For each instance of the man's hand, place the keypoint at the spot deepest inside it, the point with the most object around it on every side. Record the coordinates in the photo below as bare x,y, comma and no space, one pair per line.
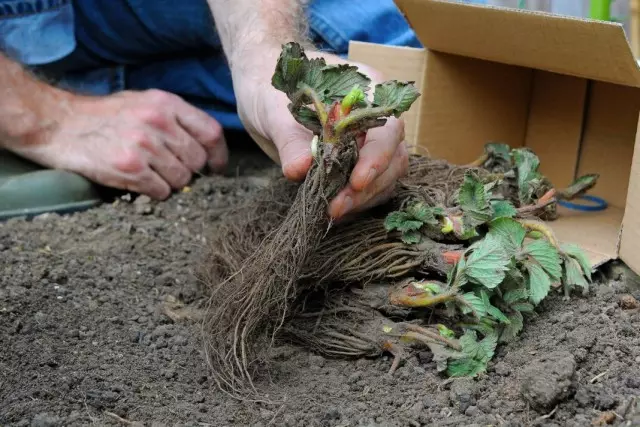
383,157
147,142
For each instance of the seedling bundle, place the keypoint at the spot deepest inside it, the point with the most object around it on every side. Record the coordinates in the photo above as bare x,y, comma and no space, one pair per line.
454,262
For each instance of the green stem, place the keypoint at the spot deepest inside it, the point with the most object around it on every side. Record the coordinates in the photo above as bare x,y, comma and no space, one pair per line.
317,103
361,114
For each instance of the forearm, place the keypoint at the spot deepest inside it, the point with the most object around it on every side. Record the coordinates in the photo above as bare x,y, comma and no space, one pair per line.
246,27
27,106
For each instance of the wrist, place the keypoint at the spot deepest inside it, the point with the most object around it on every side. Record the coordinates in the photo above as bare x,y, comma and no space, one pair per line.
30,111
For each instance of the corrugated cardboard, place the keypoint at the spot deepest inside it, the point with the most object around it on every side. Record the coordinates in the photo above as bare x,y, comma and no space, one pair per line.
568,88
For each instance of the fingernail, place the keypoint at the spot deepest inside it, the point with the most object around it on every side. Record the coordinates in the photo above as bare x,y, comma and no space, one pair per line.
347,205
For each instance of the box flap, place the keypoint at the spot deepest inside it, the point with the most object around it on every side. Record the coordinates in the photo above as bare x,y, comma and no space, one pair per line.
585,48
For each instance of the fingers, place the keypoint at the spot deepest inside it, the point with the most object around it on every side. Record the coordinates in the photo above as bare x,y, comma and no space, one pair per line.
199,137
380,189
161,159
377,153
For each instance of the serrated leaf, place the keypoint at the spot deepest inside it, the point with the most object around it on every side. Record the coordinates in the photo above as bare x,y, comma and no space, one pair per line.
465,368
424,213
523,307
529,179
495,312
539,283
545,254
573,274
510,233
308,118
395,95
401,221
411,237
576,252
511,331
487,263
478,350
291,68
474,200
475,302
515,295
334,82
503,209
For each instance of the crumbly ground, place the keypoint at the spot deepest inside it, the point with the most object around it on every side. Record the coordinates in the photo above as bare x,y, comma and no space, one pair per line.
93,332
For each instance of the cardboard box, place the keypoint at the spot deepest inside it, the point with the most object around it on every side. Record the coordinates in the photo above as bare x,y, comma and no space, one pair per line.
568,88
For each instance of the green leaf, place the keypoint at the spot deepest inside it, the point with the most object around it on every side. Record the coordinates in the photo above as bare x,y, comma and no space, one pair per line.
401,221
474,200
510,233
308,118
539,283
545,254
529,179
503,208
426,214
573,274
465,368
495,312
445,332
487,263
291,68
478,350
334,82
511,331
576,252
523,307
411,237
515,295
475,302
395,95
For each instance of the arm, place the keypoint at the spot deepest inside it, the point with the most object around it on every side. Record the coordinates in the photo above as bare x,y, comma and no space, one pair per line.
27,106
245,27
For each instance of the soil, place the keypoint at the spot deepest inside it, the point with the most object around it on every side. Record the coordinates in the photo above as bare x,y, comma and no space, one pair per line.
92,333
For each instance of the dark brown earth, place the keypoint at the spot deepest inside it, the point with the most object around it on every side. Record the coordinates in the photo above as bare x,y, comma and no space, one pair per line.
85,338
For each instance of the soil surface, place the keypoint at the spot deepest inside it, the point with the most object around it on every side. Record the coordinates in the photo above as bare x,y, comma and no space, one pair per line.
93,332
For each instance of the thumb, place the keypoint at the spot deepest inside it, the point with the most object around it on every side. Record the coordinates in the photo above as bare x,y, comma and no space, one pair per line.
293,143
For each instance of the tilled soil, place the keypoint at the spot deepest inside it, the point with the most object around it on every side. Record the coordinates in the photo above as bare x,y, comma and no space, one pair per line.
93,332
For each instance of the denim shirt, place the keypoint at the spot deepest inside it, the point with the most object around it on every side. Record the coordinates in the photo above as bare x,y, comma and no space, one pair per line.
103,46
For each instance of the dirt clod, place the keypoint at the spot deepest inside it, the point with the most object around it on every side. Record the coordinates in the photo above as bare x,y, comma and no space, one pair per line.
549,380
628,302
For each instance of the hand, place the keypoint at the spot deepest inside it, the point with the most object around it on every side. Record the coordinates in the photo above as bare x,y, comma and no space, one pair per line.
146,142
383,157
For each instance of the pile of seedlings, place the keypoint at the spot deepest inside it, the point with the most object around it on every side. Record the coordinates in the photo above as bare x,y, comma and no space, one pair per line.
454,262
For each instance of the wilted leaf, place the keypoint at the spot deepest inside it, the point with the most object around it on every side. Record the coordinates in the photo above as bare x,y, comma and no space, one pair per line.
545,254
579,187
395,95
539,283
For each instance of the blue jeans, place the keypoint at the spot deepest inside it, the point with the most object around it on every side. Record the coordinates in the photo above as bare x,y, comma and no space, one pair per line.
104,46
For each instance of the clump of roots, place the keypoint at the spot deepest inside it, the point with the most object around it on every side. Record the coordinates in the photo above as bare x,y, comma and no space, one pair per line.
251,303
